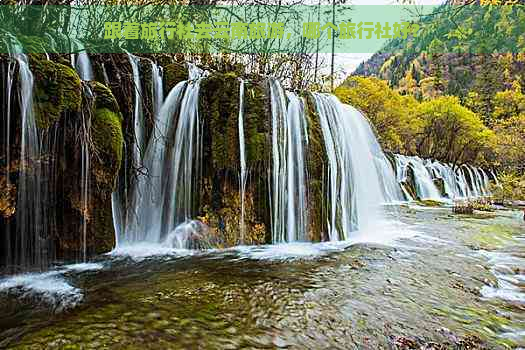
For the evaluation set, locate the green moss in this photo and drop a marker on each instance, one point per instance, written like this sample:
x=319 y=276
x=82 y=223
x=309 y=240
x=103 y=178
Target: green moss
x=219 y=109
x=57 y=90
x=255 y=124
x=317 y=168
x=35 y=44
x=104 y=97
x=430 y=203
x=106 y=132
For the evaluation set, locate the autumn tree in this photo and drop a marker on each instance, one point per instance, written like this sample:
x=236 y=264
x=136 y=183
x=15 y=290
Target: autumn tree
x=452 y=133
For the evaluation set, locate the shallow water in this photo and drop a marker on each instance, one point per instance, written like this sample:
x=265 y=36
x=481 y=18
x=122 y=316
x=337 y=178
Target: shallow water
x=434 y=278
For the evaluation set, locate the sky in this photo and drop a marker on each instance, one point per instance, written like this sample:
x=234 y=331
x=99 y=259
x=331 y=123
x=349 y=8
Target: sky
x=347 y=63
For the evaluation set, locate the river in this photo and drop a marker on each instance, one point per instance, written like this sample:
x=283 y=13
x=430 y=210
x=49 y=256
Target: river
x=425 y=277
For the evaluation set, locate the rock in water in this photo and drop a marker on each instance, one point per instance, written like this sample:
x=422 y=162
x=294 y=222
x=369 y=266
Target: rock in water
x=191 y=234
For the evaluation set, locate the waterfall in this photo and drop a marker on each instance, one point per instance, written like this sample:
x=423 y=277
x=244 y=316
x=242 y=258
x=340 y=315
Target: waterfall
x=83 y=66
x=146 y=223
x=85 y=141
x=289 y=171
x=9 y=72
x=81 y=61
x=355 y=189
x=157 y=88
x=447 y=174
x=424 y=185
x=138 y=113
x=31 y=249
x=242 y=155
x=172 y=159
x=462 y=182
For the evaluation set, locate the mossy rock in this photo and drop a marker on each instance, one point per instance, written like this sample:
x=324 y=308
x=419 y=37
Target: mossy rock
x=219 y=110
x=106 y=133
x=104 y=97
x=430 y=203
x=57 y=90
x=173 y=74
x=256 y=124
x=35 y=44
x=317 y=169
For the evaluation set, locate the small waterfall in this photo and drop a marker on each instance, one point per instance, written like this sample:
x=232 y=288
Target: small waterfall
x=462 y=182
x=9 y=72
x=31 y=240
x=81 y=62
x=242 y=155
x=354 y=157
x=424 y=185
x=289 y=171
x=138 y=114
x=157 y=88
x=447 y=174
x=463 y=186
x=83 y=66
x=85 y=141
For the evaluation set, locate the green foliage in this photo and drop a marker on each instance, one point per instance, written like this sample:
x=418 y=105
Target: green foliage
x=511 y=187
x=391 y=114
x=509 y=103
x=451 y=132
x=439 y=128
x=510 y=142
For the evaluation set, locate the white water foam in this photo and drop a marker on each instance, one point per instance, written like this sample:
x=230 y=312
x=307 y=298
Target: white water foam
x=50 y=288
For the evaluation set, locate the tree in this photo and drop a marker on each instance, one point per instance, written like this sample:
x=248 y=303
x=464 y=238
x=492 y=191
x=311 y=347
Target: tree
x=509 y=103
x=510 y=142
x=392 y=115
x=453 y=133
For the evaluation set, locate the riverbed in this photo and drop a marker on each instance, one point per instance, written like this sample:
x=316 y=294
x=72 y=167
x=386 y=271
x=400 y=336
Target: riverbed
x=425 y=277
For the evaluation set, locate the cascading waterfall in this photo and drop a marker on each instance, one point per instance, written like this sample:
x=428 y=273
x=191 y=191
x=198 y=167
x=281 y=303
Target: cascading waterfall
x=9 y=72
x=242 y=155
x=127 y=220
x=355 y=189
x=147 y=223
x=425 y=186
x=172 y=158
x=289 y=171
x=462 y=182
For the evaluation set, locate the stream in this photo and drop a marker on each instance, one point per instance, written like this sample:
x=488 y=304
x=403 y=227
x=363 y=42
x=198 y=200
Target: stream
x=436 y=279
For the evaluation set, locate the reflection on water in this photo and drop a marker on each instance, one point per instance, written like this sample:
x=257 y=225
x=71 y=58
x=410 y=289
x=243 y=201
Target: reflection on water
x=439 y=278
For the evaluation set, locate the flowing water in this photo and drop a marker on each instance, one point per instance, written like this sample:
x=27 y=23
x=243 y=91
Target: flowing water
x=164 y=198
x=438 y=278
x=31 y=239
x=358 y=180
x=386 y=277
x=460 y=182
x=242 y=156
x=289 y=174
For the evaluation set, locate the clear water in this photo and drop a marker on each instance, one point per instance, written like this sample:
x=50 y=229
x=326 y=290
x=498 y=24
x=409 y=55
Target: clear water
x=426 y=275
